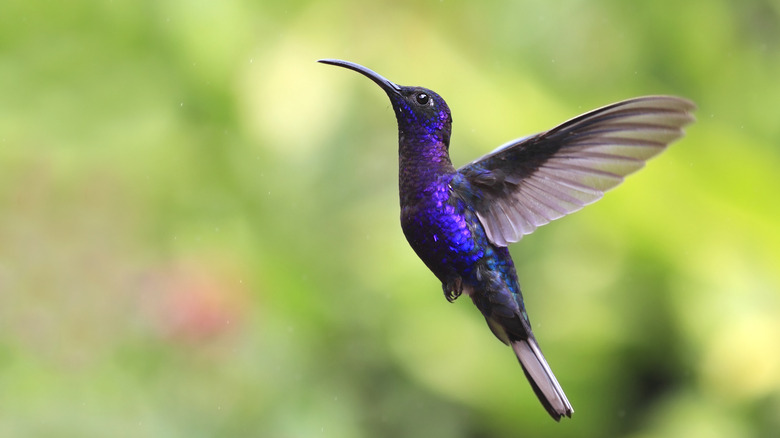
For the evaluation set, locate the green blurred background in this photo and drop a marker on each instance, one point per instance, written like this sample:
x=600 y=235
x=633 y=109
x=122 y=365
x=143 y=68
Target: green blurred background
x=199 y=224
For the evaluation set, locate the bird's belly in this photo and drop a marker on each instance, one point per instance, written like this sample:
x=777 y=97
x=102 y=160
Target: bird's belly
x=446 y=236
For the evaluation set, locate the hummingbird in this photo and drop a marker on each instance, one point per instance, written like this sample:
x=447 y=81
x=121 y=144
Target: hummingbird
x=460 y=221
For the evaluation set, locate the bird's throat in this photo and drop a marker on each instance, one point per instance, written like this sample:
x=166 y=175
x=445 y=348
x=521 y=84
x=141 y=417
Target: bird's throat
x=423 y=161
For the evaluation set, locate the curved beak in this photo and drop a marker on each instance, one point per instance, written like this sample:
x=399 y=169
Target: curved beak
x=380 y=80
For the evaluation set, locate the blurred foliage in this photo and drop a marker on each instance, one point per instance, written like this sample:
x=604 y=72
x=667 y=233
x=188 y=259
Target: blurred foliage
x=199 y=233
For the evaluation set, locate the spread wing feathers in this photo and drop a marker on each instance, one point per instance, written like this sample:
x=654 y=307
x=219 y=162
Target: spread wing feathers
x=531 y=181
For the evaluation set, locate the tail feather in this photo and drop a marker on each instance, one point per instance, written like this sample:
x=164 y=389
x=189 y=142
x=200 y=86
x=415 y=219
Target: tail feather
x=542 y=379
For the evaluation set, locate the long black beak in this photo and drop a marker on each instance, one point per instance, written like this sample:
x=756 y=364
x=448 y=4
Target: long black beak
x=386 y=85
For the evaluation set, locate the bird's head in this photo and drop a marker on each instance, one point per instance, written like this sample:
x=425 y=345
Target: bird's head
x=421 y=113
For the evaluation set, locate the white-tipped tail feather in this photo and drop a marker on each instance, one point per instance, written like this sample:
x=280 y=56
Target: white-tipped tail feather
x=542 y=379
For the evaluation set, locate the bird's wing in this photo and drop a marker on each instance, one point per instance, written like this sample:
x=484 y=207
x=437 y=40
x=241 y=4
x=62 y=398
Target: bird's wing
x=531 y=181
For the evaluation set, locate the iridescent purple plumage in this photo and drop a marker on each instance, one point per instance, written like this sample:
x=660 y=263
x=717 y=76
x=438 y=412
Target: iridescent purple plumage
x=460 y=221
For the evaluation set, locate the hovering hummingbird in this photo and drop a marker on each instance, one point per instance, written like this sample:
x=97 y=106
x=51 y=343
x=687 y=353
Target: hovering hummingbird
x=460 y=221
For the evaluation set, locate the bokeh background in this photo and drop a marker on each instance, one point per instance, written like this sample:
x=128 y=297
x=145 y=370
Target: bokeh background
x=199 y=224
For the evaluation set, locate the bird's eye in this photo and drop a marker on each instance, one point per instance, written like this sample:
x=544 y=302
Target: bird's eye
x=422 y=98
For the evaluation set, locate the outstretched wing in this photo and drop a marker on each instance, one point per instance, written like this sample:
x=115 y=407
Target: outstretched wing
x=529 y=182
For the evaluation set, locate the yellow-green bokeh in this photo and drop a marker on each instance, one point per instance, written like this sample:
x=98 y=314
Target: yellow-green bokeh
x=199 y=224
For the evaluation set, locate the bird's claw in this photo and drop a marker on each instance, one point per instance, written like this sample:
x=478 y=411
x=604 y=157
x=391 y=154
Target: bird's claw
x=452 y=289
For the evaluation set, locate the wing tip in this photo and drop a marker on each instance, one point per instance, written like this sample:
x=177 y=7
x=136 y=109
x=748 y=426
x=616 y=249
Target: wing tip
x=680 y=102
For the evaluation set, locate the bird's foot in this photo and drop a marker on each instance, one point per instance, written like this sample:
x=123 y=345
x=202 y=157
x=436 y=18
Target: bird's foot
x=452 y=289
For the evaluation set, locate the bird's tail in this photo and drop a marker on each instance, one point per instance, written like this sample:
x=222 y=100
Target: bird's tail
x=542 y=379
